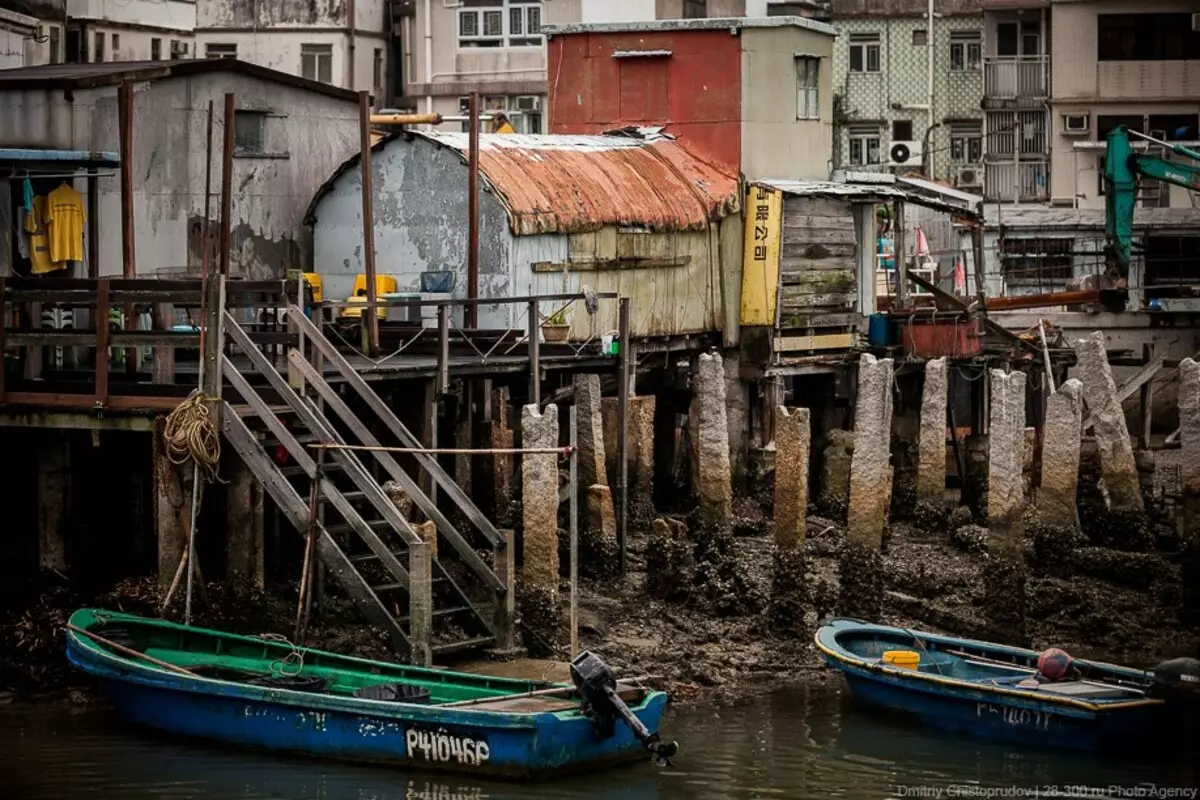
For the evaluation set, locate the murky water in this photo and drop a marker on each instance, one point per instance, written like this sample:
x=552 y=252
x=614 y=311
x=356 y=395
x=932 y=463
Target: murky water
x=793 y=743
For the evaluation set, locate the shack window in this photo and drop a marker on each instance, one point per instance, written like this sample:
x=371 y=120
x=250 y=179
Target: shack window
x=250 y=132
x=1037 y=262
x=864 y=145
x=316 y=62
x=864 y=52
x=808 y=82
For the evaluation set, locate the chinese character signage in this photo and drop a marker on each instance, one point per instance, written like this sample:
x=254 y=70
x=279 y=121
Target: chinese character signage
x=760 y=262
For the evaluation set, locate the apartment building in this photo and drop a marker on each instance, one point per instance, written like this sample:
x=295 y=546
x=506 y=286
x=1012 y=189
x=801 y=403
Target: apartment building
x=83 y=31
x=18 y=39
x=906 y=98
x=346 y=44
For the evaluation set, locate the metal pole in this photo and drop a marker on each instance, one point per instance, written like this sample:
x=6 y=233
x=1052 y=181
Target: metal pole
x=206 y=232
x=535 y=361
x=371 y=314
x=623 y=380
x=1046 y=355
x=929 y=47
x=125 y=126
x=191 y=553
x=227 y=185
x=574 y=534
x=473 y=215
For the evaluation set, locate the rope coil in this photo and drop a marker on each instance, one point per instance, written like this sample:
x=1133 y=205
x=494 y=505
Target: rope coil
x=191 y=435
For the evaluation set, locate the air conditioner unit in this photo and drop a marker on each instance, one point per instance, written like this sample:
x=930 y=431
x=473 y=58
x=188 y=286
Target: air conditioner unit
x=904 y=154
x=179 y=48
x=1077 y=123
x=1196 y=22
x=970 y=176
x=529 y=103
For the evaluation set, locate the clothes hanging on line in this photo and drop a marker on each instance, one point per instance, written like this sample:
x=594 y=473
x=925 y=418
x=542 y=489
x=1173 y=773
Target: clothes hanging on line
x=65 y=217
x=40 y=261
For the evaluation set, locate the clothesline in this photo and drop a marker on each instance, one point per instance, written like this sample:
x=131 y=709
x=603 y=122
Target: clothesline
x=112 y=173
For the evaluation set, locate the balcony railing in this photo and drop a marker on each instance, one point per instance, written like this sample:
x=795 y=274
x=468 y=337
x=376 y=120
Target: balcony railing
x=1014 y=77
x=1024 y=182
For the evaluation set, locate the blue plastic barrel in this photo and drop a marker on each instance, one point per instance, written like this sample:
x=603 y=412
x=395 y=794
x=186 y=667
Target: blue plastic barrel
x=879 y=330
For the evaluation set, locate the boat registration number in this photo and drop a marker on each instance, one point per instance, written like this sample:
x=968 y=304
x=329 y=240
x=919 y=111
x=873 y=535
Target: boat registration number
x=442 y=747
x=1017 y=717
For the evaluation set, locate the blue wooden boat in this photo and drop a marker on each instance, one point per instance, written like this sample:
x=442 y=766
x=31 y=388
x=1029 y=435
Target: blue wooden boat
x=265 y=693
x=982 y=689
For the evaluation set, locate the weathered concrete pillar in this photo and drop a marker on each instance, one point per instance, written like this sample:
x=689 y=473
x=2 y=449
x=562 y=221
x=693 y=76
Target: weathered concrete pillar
x=931 y=448
x=172 y=509
x=639 y=449
x=589 y=430
x=244 y=537
x=504 y=615
x=1189 y=468
x=54 y=498
x=1004 y=575
x=1058 y=499
x=737 y=419
x=598 y=550
x=793 y=436
x=870 y=491
x=670 y=562
x=500 y=437
x=711 y=475
x=420 y=605
x=834 y=497
x=1117 y=463
x=428 y=532
x=539 y=507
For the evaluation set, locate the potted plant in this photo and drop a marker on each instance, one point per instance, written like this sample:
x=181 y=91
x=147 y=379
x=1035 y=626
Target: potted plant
x=556 y=328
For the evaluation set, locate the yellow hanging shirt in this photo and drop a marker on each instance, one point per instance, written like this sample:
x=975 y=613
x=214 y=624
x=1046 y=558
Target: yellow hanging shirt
x=39 y=240
x=65 y=217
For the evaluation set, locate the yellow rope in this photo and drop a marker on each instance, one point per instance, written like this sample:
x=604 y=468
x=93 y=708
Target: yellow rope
x=191 y=435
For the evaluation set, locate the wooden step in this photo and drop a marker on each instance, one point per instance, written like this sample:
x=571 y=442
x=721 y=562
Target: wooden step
x=298 y=472
x=441 y=612
x=391 y=587
x=359 y=559
x=466 y=644
x=246 y=411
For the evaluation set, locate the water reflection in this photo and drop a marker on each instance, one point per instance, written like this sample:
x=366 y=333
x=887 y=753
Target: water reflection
x=793 y=743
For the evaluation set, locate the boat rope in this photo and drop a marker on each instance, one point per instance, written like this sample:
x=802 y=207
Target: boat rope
x=290 y=665
x=190 y=435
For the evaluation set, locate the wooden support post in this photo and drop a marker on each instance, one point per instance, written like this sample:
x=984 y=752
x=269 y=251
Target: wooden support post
x=214 y=342
x=472 y=321
x=574 y=517
x=93 y=223
x=1147 y=398
x=420 y=604
x=33 y=352
x=54 y=490
x=128 y=262
x=429 y=425
x=370 y=319
x=535 y=360
x=101 y=315
x=443 y=354
x=623 y=381
x=3 y=324
x=505 y=615
x=227 y=185
x=901 y=262
x=163 y=368
x=244 y=542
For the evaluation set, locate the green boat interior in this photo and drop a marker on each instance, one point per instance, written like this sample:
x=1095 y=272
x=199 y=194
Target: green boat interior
x=273 y=662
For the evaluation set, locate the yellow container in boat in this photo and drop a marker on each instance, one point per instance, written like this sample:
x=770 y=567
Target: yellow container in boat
x=905 y=659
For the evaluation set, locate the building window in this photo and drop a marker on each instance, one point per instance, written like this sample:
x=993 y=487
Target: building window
x=966 y=50
x=864 y=52
x=98 y=49
x=966 y=142
x=377 y=71
x=1172 y=264
x=500 y=23
x=1036 y=262
x=156 y=49
x=524 y=112
x=902 y=130
x=808 y=82
x=179 y=49
x=116 y=43
x=864 y=145
x=220 y=50
x=316 y=62
x=695 y=9
x=920 y=37
x=249 y=132
x=1146 y=37
x=55 y=45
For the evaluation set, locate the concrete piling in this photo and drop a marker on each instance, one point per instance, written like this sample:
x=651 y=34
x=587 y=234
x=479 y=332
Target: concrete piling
x=539 y=507
x=1004 y=575
x=1057 y=505
x=711 y=473
x=172 y=509
x=500 y=437
x=931 y=449
x=598 y=556
x=834 y=492
x=870 y=491
x=793 y=436
x=640 y=451
x=244 y=538
x=1189 y=437
x=589 y=430
x=670 y=563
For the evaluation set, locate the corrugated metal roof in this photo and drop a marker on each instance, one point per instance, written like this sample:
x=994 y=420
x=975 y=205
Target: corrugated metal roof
x=702 y=24
x=865 y=192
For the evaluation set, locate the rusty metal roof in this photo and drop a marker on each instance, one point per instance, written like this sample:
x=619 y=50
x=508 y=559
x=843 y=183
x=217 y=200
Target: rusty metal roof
x=571 y=184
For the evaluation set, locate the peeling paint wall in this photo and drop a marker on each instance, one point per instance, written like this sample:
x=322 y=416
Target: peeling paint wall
x=307 y=135
x=420 y=225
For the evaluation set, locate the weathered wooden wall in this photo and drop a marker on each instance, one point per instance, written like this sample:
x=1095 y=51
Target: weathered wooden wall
x=818 y=264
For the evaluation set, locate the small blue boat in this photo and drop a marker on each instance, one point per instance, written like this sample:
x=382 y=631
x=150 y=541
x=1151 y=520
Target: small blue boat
x=265 y=693
x=991 y=690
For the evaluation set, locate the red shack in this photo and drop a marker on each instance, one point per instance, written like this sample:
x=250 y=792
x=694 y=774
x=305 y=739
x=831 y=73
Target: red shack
x=754 y=94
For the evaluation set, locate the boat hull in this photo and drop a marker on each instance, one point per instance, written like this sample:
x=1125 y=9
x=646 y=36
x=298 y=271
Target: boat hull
x=411 y=736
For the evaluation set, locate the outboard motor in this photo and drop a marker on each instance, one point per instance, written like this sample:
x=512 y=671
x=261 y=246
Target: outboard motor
x=1178 y=675
x=601 y=703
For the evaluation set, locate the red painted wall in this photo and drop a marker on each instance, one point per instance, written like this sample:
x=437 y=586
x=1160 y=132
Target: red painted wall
x=695 y=93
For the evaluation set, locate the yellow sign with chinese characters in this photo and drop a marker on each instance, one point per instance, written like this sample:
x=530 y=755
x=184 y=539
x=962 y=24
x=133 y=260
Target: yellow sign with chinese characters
x=760 y=262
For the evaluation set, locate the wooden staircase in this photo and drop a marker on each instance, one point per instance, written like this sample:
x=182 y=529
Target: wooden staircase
x=428 y=604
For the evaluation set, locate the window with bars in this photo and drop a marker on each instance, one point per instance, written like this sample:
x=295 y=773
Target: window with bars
x=966 y=142
x=500 y=23
x=1037 y=262
x=966 y=50
x=864 y=52
x=808 y=87
x=220 y=50
x=864 y=145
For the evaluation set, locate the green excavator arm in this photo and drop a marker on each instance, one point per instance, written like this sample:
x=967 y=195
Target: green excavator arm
x=1122 y=170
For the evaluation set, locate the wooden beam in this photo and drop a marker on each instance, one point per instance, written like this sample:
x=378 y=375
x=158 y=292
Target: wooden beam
x=101 y=322
x=535 y=360
x=125 y=132
x=370 y=317
x=1127 y=389
x=227 y=184
x=3 y=322
x=623 y=380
